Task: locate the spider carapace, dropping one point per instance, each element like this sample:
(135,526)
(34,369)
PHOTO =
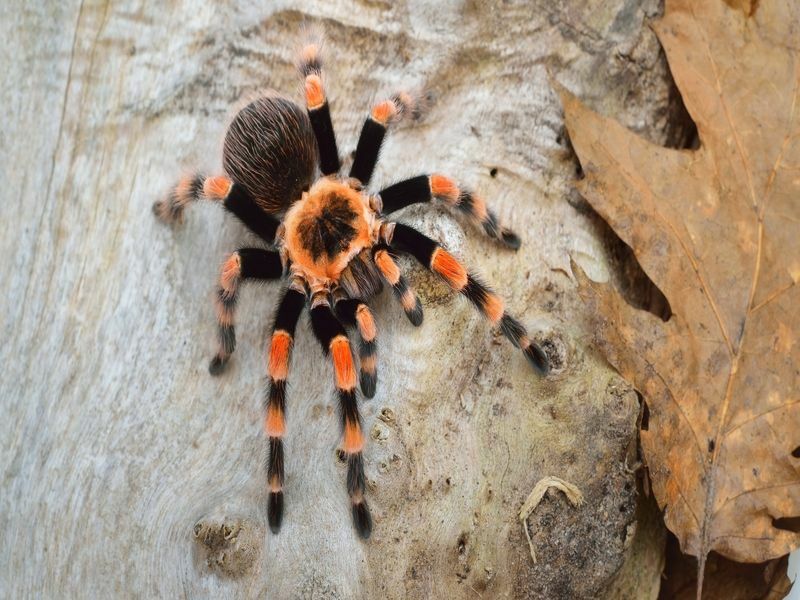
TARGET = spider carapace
(334,244)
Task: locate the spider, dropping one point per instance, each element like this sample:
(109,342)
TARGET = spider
(331,239)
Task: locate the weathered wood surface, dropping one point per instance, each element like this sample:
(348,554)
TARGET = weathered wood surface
(129,471)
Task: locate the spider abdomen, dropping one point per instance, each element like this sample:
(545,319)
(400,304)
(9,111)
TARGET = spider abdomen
(270,150)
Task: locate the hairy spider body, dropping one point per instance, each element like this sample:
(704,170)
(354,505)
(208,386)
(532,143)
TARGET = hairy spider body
(331,240)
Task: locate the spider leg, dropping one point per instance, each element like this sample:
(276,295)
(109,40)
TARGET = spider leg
(332,337)
(244,264)
(280,352)
(355,313)
(310,66)
(375,126)
(232,195)
(440,261)
(402,291)
(424,188)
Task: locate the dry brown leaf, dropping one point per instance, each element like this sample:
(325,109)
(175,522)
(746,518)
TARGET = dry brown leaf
(724,579)
(718,231)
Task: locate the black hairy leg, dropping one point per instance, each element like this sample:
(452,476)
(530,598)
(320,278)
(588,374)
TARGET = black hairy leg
(356,314)
(424,188)
(404,293)
(332,337)
(438,260)
(233,196)
(280,352)
(244,264)
(383,114)
(319,112)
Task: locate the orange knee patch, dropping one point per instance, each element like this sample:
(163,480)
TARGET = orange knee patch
(309,54)
(274,423)
(217,188)
(384,112)
(353,439)
(275,484)
(224,313)
(279,350)
(229,275)
(445,264)
(183,191)
(343,363)
(366,324)
(388,267)
(408,299)
(493,306)
(444,188)
(315,93)
(368,363)
(479,209)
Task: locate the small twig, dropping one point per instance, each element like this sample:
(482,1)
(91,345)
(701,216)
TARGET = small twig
(572,493)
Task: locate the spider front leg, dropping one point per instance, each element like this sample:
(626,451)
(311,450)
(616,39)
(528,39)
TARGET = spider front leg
(374,130)
(440,261)
(244,264)
(233,197)
(333,339)
(310,66)
(355,313)
(280,352)
(424,188)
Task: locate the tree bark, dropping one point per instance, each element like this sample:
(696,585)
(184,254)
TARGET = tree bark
(129,471)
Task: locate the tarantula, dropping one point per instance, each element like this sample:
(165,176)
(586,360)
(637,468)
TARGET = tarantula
(331,239)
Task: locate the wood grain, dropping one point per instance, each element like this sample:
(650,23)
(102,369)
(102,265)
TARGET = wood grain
(130,472)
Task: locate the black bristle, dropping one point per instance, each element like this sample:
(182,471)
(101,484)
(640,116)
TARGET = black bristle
(276,394)
(362,519)
(275,511)
(490,225)
(217,365)
(415,315)
(538,358)
(476,292)
(227,338)
(348,407)
(369,382)
(325,326)
(275,459)
(368,348)
(510,239)
(512,329)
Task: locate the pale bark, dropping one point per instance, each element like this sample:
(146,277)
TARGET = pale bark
(124,461)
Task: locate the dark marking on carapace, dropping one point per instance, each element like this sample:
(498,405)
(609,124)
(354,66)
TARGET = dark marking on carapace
(331,230)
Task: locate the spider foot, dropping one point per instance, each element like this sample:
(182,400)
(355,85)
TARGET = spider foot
(218,365)
(362,519)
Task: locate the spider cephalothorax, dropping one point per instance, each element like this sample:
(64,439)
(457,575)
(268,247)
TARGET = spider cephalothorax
(330,239)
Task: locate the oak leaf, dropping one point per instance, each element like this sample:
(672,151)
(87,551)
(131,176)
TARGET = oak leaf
(717,229)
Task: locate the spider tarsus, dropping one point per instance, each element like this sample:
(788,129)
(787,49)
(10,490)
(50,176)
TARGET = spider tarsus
(275,511)
(369,382)
(164,213)
(510,239)
(217,365)
(538,359)
(415,315)
(362,519)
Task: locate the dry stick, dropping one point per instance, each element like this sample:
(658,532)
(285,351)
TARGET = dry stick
(572,493)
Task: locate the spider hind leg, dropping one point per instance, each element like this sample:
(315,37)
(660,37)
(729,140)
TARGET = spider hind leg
(332,337)
(280,354)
